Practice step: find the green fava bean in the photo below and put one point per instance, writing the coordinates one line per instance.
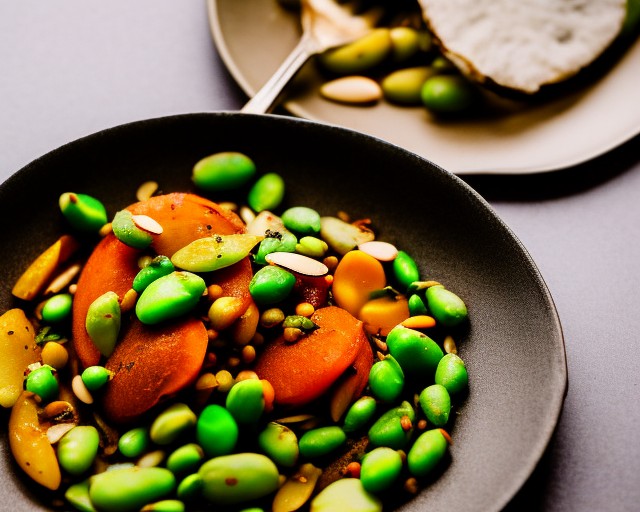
(302, 219)
(240, 477)
(380, 468)
(103, 322)
(227, 170)
(312, 247)
(386, 379)
(185, 459)
(214, 252)
(216, 431)
(445, 306)
(94, 377)
(43, 383)
(280, 242)
(447, 94)
(130, 489)
(280, 444)
(405, 270)
(452, 374)
(78, 495)
(436, 404)
(359, 414)
(346, 494)
(267, 193)
(169, 297)
(159, 266)
(171, 423)
(360, 55)
(190, 488)
(83, 212)
(391, 430)
(134, 442)
(427, 451)
(245, 401)
(321, 441)
(126, 230)
(405, 43)
(78, 449)
(58, 308)
(164, 506)
(417, 354)
(271, 284)
(416, 305)
(404, 86)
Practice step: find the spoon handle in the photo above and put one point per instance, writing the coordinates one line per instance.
(264, 100)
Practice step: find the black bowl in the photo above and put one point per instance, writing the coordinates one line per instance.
(513, 348)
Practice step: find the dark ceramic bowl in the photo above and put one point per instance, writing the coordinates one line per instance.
(513, 348)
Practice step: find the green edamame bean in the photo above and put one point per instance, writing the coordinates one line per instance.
(78, 448)
(417, 354)
(223, 171)
(43, 383)
(405, 43)
(445, 306)
(404, 86)
(169, 297)
(164, 506)
(271, 284)
(321, 441)
(216, 431)
(171, 423)
(276, 242)
(361, 55)
(312, 247)
(280, 444)
(416, 305)
(392, 429)
(346, 494)
(130, 489)
(405, 270)
(83, 212)
(78, 495)
(103, 322)
(302, 219)
(386, 379)
(158, 267)
(380, 468)
(427, 451)
(185, 459)
(94, 377)
(240, 477)
(452, 374)
(58, 308)
(134, 442)
(190, 488)
(126, 230)
(245, 401)
(359, 414)
(447, 94)
(436, 404)
(267, 193)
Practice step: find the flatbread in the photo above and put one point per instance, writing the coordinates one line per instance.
(523, 44)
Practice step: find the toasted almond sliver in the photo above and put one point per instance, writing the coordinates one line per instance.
(382, 251)
(55, 432)
(63, 279)
(80, 390)
(298, 263)
(146, 190)
(147, 224)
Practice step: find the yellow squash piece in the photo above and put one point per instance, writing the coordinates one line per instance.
(19, 349)
(43, 267)
(356, 276)
(383, 314)
(29, 443)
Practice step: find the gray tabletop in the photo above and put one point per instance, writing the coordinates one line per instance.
(71, 68)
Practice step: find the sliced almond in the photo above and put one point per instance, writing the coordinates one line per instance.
(63, 279)
(382, 251)
(80, 390)
(147, 224)
(352, 89)
(298, 263)
(55, 432)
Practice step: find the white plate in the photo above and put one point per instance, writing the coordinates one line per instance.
(254, 36)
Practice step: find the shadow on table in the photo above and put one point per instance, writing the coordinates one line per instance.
(551, 185)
